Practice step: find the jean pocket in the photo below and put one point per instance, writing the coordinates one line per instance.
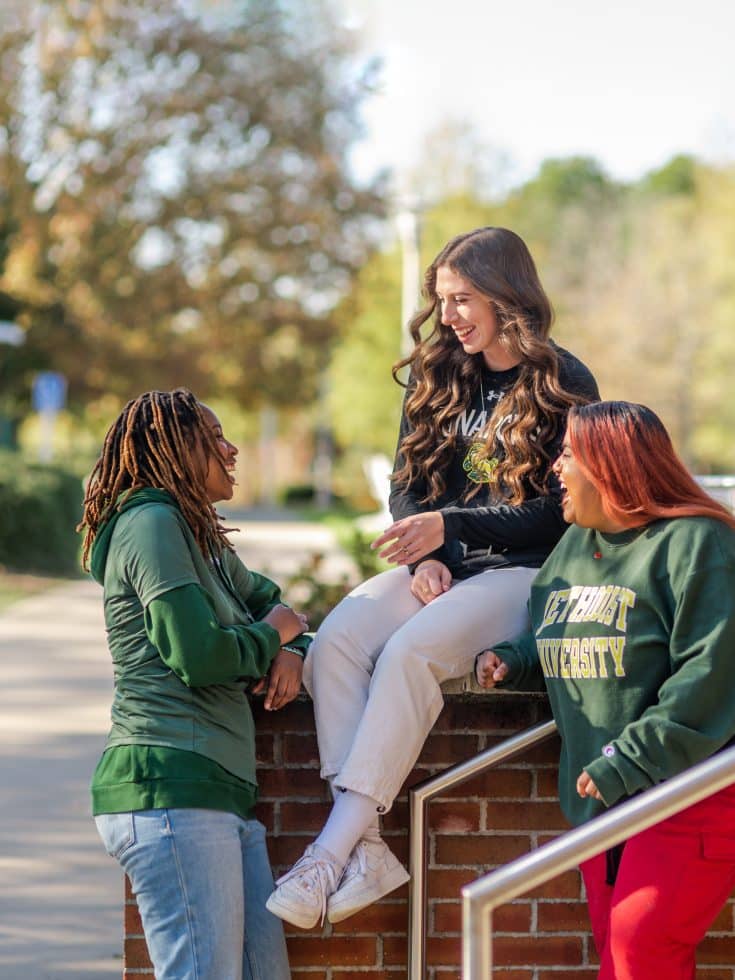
(117, 831)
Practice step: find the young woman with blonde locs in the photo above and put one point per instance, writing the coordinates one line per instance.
(632, 634)
(188, 628)
(476, 513)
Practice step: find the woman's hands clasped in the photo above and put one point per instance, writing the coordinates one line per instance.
(431, 579)
(289, 623)
(283, 681)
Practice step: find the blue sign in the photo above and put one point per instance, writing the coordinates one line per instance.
(49, 392)
(11, 333)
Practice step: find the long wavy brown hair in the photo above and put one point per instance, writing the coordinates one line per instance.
(153, 443)
(498, 264)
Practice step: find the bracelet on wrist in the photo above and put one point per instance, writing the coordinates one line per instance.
(293, 649)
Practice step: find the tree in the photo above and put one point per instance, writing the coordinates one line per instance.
(457, 163)
(180, 194)
(651, 306)
(677, 176)
(364, 400)
(640, 276)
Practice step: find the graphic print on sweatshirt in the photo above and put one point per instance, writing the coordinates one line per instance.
(592, 655)
(470, 425)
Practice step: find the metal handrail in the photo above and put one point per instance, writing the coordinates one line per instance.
(419, 797)
(481, 897)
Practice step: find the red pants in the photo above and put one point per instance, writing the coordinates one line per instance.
(672, 882)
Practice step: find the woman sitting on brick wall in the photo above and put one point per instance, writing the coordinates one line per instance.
(188, 627)
(476, 513)
(633, 619)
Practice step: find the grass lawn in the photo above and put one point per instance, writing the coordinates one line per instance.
(18, 585)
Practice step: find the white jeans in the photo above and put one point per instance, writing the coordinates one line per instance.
(377, 661)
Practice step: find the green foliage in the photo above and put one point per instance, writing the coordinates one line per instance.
(564, 182)
(186, 213)
(641, 277)
(364, 401)
(678, 176)
(317, 597)
(451, 216)
(357, 546)
(297, 494)
(40, 506)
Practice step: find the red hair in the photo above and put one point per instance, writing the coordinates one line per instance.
(626, 452)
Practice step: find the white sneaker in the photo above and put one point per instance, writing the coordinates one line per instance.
(302, 893)
(372, 871)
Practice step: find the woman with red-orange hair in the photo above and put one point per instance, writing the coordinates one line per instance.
(633, 631)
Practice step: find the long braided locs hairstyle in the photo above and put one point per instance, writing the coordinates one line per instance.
(153, 444)
(498, 264)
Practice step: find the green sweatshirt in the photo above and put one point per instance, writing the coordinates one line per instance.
(185, 638)
(634, 636)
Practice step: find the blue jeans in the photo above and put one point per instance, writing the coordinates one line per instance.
(201, 878)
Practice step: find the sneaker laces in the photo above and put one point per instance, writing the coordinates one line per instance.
(358, 862)
(315, 875)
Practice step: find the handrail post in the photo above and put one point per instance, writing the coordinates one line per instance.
(477, 951)
(419, 797)
(418, 893)
(504, 884)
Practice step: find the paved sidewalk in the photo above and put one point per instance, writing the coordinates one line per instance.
(60, 900)
(60, 895)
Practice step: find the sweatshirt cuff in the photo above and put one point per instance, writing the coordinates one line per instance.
(514, 663)
(270, 634)
(452, 522)
(439, 555)
(299, 645)
(608, 781)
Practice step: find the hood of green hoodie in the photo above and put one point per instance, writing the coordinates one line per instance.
(101, 545)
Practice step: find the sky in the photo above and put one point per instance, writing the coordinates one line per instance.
(630, 82)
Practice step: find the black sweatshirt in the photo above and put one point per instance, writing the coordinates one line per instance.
(485, 532)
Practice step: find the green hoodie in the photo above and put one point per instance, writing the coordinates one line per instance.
(634, 634)
(185, 637)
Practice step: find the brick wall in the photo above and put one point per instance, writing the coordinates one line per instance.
(487, 821)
